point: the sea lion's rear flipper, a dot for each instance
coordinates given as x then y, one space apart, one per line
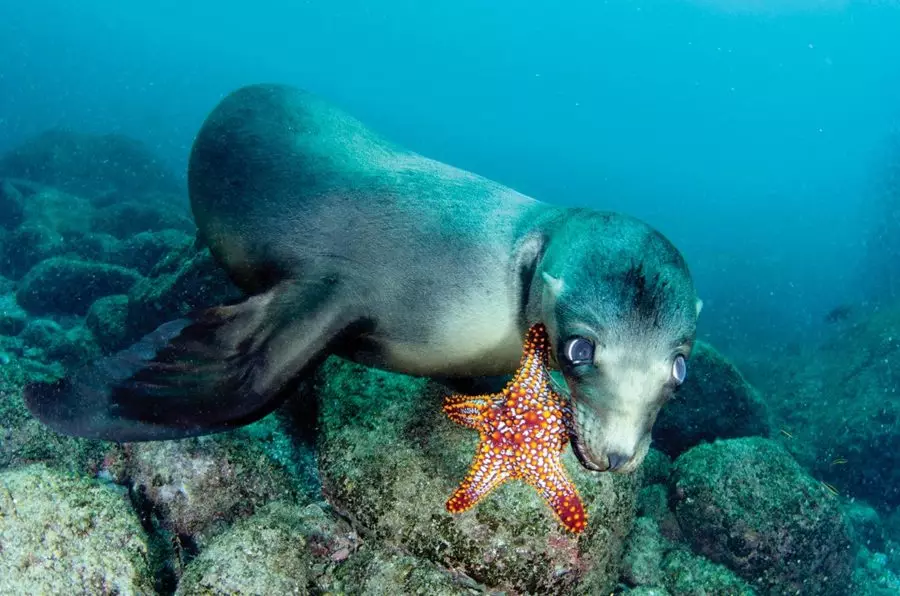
211 371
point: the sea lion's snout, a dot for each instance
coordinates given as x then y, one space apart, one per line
615 403
609 435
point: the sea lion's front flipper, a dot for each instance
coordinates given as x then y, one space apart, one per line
211 371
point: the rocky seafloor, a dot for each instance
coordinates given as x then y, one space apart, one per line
786 487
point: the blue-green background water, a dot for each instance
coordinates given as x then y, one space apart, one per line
751 133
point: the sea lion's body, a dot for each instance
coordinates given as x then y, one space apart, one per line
347 244
429 248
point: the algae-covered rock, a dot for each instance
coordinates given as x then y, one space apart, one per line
144 250
263 554
12 205
65 535
715 402
47 340
12 318
92 247
654 562
389 459
70 286
374 570
184 281
88 164
653 502
26 246
656 468
289 548
747 504
843 408
128 219
107 320
198 486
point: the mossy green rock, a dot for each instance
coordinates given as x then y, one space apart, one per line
655 562
26 246
263 554
198 486
390 458
290 548
843 402
69 286
715 402
12 318
747 504
184 280
107 319
65 535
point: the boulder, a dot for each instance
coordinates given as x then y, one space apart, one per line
12 206
69 286
26 246
64 535
123 220
390 458
143 251
715 402
88 164
107 320
747 504
12 318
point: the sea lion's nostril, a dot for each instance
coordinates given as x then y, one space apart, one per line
617 460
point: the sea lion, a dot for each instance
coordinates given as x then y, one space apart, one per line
347 244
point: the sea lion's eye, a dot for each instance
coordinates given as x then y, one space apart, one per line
679 369
578 350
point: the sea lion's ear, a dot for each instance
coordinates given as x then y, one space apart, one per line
699 306
554 283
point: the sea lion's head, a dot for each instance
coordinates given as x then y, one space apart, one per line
621 310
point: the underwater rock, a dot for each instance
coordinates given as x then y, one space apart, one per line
715 402
874 575
23 439
656 468
653 502
69 286
127 219
66 214
865 525
91 247
848 396
390 459
184 281
12 206
26 246
55 343
64 535
143 251
286 548
198 486
746 503
12 318
107 319
654 562
88 164
263 554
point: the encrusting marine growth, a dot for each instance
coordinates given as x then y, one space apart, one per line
524 431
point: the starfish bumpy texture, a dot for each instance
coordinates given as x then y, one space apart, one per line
524 431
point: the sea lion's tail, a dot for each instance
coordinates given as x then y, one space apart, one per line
211 371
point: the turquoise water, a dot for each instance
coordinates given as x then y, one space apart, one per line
761 137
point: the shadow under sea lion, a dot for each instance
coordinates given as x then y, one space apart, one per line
347 244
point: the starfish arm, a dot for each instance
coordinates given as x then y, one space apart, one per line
466 410
487 473
561 495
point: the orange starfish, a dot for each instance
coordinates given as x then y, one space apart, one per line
524 431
